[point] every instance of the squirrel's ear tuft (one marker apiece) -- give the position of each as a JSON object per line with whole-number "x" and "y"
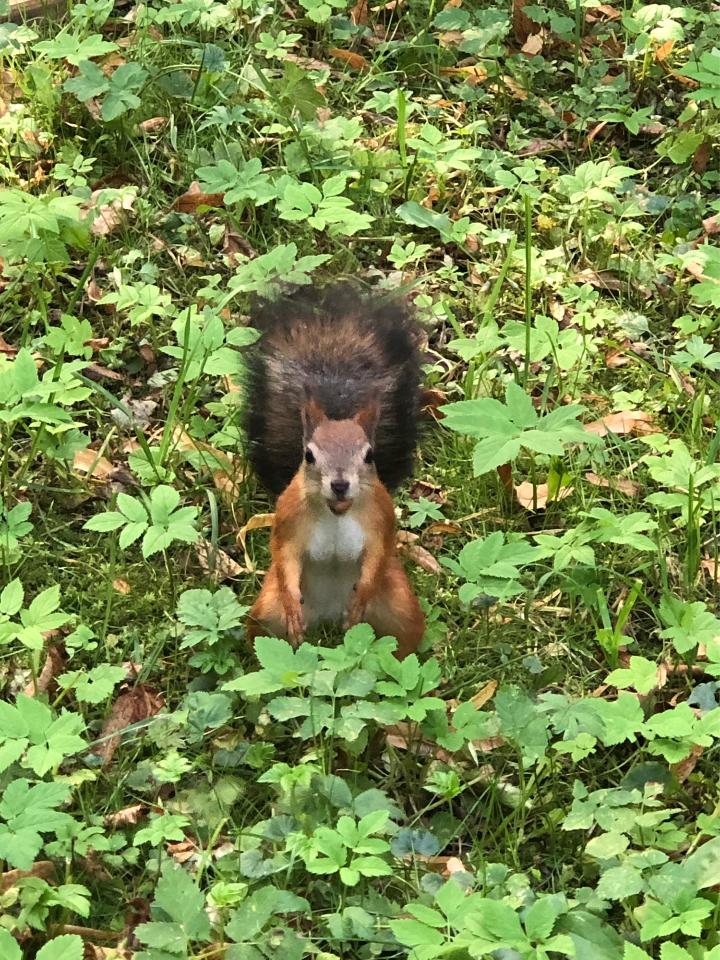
{"x": 312, "y": 415}
{"x": 368, "y": 416}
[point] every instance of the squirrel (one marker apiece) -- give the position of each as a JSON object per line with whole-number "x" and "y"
{"x": 331, "y": 418}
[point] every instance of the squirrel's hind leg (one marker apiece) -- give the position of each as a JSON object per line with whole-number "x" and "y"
{"x": 267, "y": 616}
{"x": 394, "y": 610}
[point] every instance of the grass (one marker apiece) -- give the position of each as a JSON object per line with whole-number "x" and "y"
{"x": 541, "y": 182}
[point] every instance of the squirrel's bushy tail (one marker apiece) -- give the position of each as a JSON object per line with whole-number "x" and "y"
{"x": 346, "y": 349}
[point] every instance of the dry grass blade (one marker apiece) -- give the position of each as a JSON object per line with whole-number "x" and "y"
{"x": 258, "y": 522}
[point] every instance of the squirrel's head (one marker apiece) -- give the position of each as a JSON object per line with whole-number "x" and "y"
{"x": 339, "y": 462}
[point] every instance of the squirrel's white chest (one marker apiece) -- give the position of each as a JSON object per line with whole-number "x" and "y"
{"x": 331, "y": 567}
{"x": 338, "y": 538}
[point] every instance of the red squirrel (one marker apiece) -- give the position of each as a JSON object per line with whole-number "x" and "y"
{"x": 333, "y": 398}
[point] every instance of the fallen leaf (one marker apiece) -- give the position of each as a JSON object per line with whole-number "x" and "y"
{"x": 259, "y": 521}
{"x": 5, "y": 347}
{"x": 602, "y": 12}
{"x": 107, "y": 216}
{"x": 634, "y": 422}
{"x": 140, "y": 412}
{"x": 684, "y": 768}
{"x": 451, "y": 38}
{"x": 121, "y": 586}
{"x": 617, "y": 358}
{"x": 95, "y": 371}
{"x": 601, "y": 279}
{"x": 194, "y": 198}
{"x": 183, "y": 851}
{"x": 93, "y": 291}
{"x": 533, "y": 45}
{"x": 406, "y": 736}
{"x": 54, "y": 664}
{"x": 431, "y": 400}
{"x": 153, "y": 124}
{"x": 422, "y": 557}
{"x": 127, "y": 817}
{"x": 485, "y": 694}
{"x": 131, "y": 706}
{"x": 539, "y": 146}
{"x": 504, "y": 472}
{"x": 44, "y": 869}
{"x": 234, "y": 244}
{"x": 537, "y": 497}
{"x": 359, "y": 13}
{"x": 216, "y": 563}
{"x": 356, "y": 61}
{"x": 711, "y": 567}
{"x": 622, "y": 485}
{"x": 701, "y": 157}
{"x": 90, "y": 462}
{"x": 472, "y": 75}
{"x": 523, "y": 25}
{"x": 309, "y": 63}
{"x": 711, "y": 225}
{"x": 97, "y": 343}
{"x": 517, "y": 91}
{"x": 662, "y": 52}
{"x": 441, "y": 527}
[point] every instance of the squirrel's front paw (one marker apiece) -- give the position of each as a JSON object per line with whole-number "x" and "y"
{"x": 294, "y": 622}
{"x": 355, "y": 613}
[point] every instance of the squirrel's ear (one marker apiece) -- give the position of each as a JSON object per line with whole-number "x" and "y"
{"x": 368, "y": 417}
{"x": 312, "y": 416}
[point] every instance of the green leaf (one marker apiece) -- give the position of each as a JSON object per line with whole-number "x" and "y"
{"x": 9, "y": 948}
{"x": 67, "y": 947}
{"x": 105, "y": 522}
{"x": 11, "y": 598}
{"x": 182, "y": 901}
{"x": 90, "y": 82}
{"x": 542, "y": 915}
{"x": 620, "y": 883}
{"x": 641, "y": 675}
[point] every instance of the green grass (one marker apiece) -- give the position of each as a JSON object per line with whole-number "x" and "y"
{"x": 553, "y": 219}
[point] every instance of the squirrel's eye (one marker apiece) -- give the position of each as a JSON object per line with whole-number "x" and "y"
{"x": 370, "y": 456}
{"x": 309, "y": 456}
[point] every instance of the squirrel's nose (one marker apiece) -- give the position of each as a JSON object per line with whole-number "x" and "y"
{"x": 340, "y": 488}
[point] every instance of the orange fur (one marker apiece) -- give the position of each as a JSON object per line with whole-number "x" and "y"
{"x": 382, "y": 596}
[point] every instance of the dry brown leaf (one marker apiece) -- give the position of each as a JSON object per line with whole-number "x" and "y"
{"x": 537, "y": 497}
{"x": 356, "y": 61}
{"x": 533, "y": 45}
{"x": 662, "y": 52}
{"x": 523, "y": 25}
{"x": 308, "y": 63}
{"x": 359, "y": 13}
{"x": 217, "y": 564}
{"x": 629, "y": 487}
{"x": 711, "y": 567}
{"x": 406, "y": 736}
{"x": 183, "y": 850}
{"x": 504, "y": 472}
{"x": 257, "y": 522}
{"x": 107, "y": 216}
{"x": 96, "y": 371}
{"x": 516, "y": 90}
{"x": 131, "y": 706}
{"x": 485, "y": 694}
{"x": 153, "y": 124}
{"x": 701, "y": 157}
{"x": 711, "y": 225}
{"x": 234, "y": 244}
{"x": 97, "y": 343}
{"x": 127, "y": 817}
{"x": 684, "y": 768}
{"x": 431, "y": 400}
{"x": 121, "y": 586}
{"x": 44, "y": 869}
{"x": 601, "y": 279}
{"x": 5, "y": 347}
{"x": 450, "y": 38}
{"x": 194, "y": 197}
{"x": 615, "y": 359}
{"x": 54, "y": 664}
{"x": 90, "y": 462}
{"x": 472, "y": 75}
{"x": 635, "y": 422}
{"x": 441, "y": 527}
{"x": 422, "y": 557}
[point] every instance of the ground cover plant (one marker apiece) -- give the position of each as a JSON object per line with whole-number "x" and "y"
{"x": 541, "y": 781}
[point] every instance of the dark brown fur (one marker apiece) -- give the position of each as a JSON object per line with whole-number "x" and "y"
{"x": 345, "y": 349}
